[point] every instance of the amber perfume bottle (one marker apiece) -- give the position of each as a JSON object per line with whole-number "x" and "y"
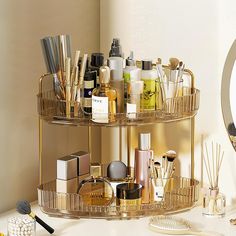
{"x": 104, "y": 99}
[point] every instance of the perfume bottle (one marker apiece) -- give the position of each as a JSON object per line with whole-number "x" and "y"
{"x": 143, "y": 156}
{"x": 104, "y": 99}
{"x": 96, "y": 191}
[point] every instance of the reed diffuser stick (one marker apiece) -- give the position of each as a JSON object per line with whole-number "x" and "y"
{"x": 208, "y": 166}
{"x": 208, "y": 173}
{"x": 213, "y": 168}
{"x": 213, "y": 165}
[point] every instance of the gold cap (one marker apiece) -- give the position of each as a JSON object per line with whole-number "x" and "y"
{"x": 104, "y": 75}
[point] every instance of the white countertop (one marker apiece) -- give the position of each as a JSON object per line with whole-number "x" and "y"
{"x": 139, "y": 227}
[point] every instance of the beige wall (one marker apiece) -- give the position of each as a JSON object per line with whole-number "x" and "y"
{"x": 198, "y": 32}
{"x": 22, "y": 24}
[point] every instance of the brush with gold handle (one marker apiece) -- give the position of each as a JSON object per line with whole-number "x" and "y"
{"x": 68, "y": 87}
{"x": 80, "y": 83}
{"x": 73, "y": 77}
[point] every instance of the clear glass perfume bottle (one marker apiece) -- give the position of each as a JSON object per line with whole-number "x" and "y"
{"x": 104, "y": 99}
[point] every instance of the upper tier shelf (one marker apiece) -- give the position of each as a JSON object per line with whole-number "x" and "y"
{"x": 53, "y": 110}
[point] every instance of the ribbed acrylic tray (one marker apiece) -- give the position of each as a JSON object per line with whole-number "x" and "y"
{"x": 181, "y": 194}
{"x": 53, "y": 110}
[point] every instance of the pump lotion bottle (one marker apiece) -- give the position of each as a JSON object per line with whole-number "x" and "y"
{"x": 115, "y": 63}
{"x": 130, "y": 65}
{"x": 143, "y": 155}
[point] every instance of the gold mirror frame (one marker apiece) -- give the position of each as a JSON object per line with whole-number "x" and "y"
{"x": 225, "y": 94}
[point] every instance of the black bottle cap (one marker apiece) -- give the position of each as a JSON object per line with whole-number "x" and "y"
{"x": 147, "y": 65}
{"x": 97, "y": 59}
{"x": 129, "y": 191}
{"x": 90, "y": 75}
{"x": 115, "y": 48}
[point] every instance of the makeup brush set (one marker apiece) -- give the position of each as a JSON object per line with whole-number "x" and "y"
{"x": 161, "y": 173}
{"x": 67, "y": 77}
{"x": 171, "y": 80}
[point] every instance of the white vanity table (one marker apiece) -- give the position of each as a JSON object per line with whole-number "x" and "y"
{"x": 91, "y": 227}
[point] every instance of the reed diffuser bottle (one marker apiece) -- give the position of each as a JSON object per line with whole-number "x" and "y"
{"x": 213, "y": 201}
{"x": 104, "y": 99}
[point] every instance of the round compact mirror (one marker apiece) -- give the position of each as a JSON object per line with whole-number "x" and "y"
{"x": 228, "y": 94}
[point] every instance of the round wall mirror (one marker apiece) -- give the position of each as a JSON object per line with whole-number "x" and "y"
{"x": 228, "y": 94}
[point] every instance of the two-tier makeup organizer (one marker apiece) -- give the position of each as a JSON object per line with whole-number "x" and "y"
{"x": 182, "y": 193}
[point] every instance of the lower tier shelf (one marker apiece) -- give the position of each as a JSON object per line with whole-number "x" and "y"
{"x": 180, "y": 194}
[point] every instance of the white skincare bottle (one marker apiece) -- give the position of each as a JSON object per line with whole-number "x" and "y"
{"x": 135, "y": 92}
{"x": 129, "y": 66}
{"x": 149, "y": 77}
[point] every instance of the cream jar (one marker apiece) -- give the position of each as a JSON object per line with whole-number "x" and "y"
{"x": 128, "y": 195}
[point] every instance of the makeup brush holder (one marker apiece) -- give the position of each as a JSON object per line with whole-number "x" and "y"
{"x": 214, "y": 203}
{"x": 160, "y": 187}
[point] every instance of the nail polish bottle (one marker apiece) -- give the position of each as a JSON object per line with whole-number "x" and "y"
{"x": 143, "y": 156}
